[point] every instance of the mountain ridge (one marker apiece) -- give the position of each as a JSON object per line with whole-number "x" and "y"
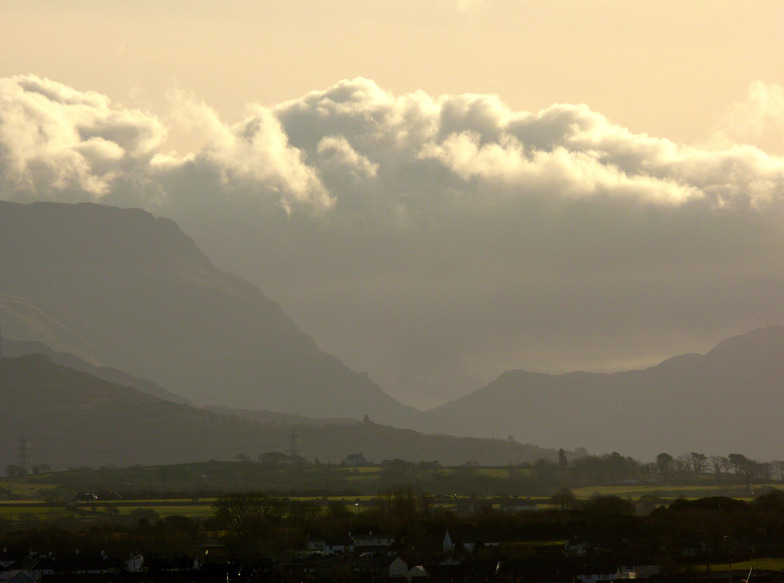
{"x": 120, "y": 288}
{"x": 123, "y": 289}
{"x": 12, "y": 348}
{"x": 724, "y": 400}
{"x": 71, "y": 418}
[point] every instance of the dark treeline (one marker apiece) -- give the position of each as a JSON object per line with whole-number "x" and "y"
{"x": 733, "y": 474}
{"x": 246, "y": 526}
{"x": 695, "y": 467}
{"x": 724, "y": 528}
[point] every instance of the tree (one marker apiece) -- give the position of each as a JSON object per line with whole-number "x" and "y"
{"x": 246, "y": 514}
{"x": 605, "y": 505}
{"x": 778, "y": 469}
{"x": 743, "y": 466}
{"x": 401, "y": 507}
{"x": 683, "y": 463}
{"x": 664, "y": 465}
{"x": 718, "y": 463}
{"x": 771, "y": 501}
{"x": 303, "y": 513}
{"x": 698, "y": 462}
{"x": 618, "y": 467}
{"x": 564, "y": 499}
{"x": 739, "y": 463}
{"x": 590, "y": 469}
{"x": 545, "y": 471}
{"x": 562, "y": 461}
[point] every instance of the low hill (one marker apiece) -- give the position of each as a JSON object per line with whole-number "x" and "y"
{"x": 72, "y": 418}
{"x": 13, "y": 348}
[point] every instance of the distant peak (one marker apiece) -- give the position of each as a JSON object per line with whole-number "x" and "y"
{"x": 88, "y": 233}
{"x": 756, "y": 343}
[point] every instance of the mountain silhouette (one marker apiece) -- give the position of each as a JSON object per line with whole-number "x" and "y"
{"x": 126, "y": 296}
{"x": 13, "y": 348}
{"x": 727, "y": 400}
{"x": 71, "y": 418}
{"x": 120, "y": 288}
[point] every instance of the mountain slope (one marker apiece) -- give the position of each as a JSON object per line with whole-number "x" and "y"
{"x": 120, "y": 288}
{"x": 72, "y": 418}
{"x": 727, "y": 400}
{"x": 13, "y": 348}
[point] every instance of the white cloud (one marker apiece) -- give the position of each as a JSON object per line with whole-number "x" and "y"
{"x": 255, "y": 154}
{"x": 62, "y": 144}
{"x": 438, "y": 240}
{"x": 56, "y": 140}
{"x": 337, "y": 157}
{"x": 758, "y": 121}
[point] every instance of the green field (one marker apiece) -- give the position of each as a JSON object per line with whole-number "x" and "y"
{"x": 189, "y": 489}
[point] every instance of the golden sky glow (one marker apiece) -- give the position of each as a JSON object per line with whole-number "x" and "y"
{"x": 395, "y": 174}
{"x": 668, "y": 68}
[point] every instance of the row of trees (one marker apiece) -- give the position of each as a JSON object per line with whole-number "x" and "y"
{"x": 698, "y": 464}
{"x": 614, "y": 468}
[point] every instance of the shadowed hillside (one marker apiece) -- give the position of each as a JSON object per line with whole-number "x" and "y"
{"x": 72, "y": 418}
{"x": 120, "y": 288}
{"x": 726, "y": 400}
{"x": 13, "y": 348}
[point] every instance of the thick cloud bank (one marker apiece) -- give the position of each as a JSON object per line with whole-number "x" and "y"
{"x": 437, "y": 241}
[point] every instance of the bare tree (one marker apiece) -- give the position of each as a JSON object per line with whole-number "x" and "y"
{"x": 664, "y": 465}
{"x": 719, "y": 463}
{"x": 698, "y": 462}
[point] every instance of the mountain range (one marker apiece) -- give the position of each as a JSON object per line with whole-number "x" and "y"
{"x": 128, "y": 299}
{"x": 727, "y": 400}
{"x": 71, "y": 418}
{"x": 120, "y": 288}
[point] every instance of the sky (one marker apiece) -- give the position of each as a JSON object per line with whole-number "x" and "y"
{"x": 436, "y": 190}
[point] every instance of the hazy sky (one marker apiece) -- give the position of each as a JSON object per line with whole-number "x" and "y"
{"x": 436, "y": 190}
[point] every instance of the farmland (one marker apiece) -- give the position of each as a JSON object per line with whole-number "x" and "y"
{"x": 249, "y": 509}
{"x": 85, "y": 495}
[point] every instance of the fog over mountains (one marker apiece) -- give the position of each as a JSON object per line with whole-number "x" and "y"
{"x": 107, "y": 287}
{"x": 435, "y": 240}
{"x": 121, "y": 288}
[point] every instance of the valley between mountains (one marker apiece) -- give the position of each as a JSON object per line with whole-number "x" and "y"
{"x": 117, "y": 331}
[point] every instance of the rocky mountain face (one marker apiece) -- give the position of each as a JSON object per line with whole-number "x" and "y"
{"x": 727, "y": 400}
{"x": 120, "y": 288}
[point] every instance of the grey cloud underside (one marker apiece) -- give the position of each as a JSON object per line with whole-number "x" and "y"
{"x": 436, "y": 241}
